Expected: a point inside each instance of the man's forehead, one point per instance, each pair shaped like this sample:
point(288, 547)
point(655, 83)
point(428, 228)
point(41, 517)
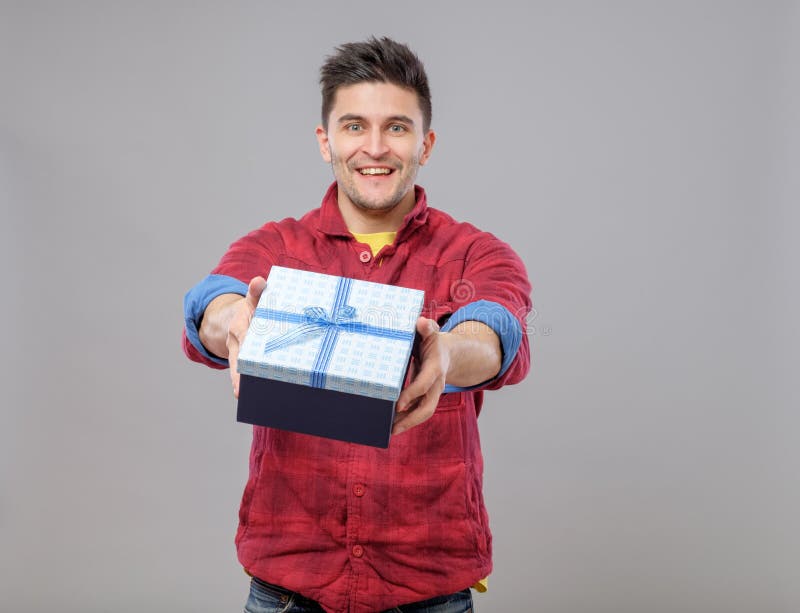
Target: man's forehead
point(372, 100)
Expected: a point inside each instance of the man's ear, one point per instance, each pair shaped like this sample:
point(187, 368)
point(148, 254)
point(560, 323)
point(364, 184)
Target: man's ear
point(427, 147)
point(324, 145)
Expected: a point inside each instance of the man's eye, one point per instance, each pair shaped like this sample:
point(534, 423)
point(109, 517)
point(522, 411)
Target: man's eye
point(353, 127)
point(397, 128)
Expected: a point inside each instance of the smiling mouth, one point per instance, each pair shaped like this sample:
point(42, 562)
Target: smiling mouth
point(373, 172)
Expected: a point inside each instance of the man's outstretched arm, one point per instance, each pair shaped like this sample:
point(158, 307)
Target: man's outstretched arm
point(467, 355)
point(225, 322)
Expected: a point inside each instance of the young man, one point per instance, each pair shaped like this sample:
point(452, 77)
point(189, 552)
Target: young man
point(327, 525)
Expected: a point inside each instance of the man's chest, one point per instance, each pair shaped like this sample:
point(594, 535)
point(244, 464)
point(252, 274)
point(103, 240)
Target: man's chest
point(413, 265)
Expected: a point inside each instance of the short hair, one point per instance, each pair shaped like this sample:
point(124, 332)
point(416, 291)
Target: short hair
point(381, 60)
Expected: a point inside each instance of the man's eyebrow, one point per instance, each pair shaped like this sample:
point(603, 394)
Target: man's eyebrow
point(353, 117)
point(402, 119)
point(349, 117)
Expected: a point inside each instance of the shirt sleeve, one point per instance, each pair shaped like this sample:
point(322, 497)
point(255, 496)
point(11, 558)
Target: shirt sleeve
point(497, 283)
point(250, 256)
point(194, 306)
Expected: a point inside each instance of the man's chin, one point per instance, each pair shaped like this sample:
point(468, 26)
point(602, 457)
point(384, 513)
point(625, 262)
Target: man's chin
point(376, 207)
point(385, 203)
point(383, 199)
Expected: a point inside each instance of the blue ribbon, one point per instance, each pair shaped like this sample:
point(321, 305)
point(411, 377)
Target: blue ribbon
point(317, 319)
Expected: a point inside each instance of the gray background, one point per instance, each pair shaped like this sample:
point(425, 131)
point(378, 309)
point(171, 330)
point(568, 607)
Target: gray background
point(641, 157)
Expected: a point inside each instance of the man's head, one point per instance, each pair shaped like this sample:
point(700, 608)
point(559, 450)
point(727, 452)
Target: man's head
point(377, 60)
point(375, 131)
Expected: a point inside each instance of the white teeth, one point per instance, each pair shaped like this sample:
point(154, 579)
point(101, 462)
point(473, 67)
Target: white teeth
point(375, 171)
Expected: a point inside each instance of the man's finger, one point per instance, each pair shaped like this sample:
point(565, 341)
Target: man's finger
point(233, 361)
point(400, 415)
point(418, 388)
point(424, 378)
point(238, 327)
point(254, 291)
point(426, 373)
point(423, 412)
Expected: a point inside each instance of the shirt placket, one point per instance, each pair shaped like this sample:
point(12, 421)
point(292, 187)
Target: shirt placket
point(364, 260)
point(357, 489)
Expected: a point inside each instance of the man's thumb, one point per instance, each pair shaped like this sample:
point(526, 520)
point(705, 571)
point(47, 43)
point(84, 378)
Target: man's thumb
point(426, 326)
point(254, 290)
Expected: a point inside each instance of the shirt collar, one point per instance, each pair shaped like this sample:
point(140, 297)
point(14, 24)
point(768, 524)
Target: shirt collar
point(332, 223)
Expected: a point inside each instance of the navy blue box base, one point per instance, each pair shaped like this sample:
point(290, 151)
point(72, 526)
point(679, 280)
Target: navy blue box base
point(310, 410)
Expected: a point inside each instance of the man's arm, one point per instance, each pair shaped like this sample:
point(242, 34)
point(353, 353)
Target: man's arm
point(467, 355)
point(484, 343)
point(217, 318)
point(225, 322)
point(248, 256)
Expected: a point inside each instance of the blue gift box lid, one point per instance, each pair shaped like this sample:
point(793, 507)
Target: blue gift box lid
point(332, 332)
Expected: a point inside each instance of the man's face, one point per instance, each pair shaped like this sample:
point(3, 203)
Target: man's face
point(375, 144)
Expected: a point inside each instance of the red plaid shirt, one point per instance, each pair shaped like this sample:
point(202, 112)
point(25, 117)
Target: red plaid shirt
point(358, 528)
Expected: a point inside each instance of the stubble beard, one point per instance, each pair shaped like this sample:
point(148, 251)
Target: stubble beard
point(347, 184)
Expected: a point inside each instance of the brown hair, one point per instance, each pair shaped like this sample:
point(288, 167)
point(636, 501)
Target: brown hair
point(374, 60)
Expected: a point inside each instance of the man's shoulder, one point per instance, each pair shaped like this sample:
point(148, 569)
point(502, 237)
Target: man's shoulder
point(448, 227)
point(288, 227)
point(450, 239)
point(439, 220)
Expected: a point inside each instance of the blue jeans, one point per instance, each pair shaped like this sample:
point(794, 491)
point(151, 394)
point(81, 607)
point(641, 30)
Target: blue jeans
point(268, 598)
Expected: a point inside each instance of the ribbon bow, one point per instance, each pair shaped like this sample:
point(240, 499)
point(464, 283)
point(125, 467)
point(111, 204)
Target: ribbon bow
point(314, 320)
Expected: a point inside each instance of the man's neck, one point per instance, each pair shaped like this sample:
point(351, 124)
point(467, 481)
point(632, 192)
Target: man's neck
point(366, 221)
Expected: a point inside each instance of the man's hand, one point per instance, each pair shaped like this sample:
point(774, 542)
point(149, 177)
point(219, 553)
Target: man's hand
point(418, 401)
point(239, 323)
point(467, 355)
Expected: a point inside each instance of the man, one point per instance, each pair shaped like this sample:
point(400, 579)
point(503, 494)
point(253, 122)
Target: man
point(334, 526)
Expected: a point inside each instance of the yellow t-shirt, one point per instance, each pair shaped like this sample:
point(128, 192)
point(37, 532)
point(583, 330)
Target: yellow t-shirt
point(376, 242)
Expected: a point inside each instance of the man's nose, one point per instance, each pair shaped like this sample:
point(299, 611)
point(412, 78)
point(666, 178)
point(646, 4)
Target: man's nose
point(376, 145)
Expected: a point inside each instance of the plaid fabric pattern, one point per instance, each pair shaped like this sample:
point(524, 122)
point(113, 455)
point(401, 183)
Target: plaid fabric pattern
point(357, 528)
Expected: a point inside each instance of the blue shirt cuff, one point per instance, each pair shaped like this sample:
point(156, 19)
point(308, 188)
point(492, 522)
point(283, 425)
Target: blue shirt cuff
point(196, 301)
point(499, 319)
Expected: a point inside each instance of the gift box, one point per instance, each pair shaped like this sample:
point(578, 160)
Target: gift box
point(327, 355)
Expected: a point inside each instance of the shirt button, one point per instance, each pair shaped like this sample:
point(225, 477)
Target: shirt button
point(358, 551)
point(358, 490)
point(365, 256)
